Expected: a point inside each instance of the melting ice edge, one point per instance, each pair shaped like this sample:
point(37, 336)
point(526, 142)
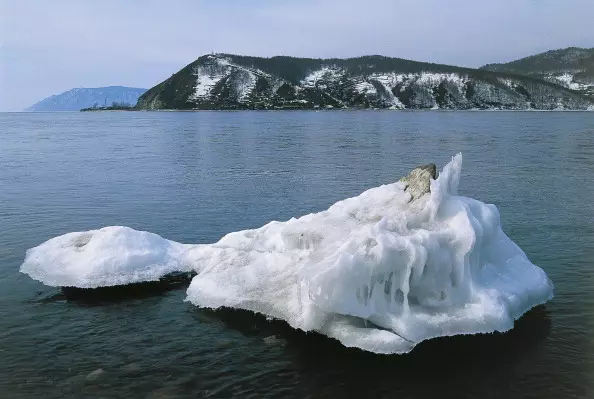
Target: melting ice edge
point(379, 271)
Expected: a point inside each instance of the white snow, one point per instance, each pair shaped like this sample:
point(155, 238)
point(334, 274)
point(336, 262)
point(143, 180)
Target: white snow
point(430, 79)
point(567, 80)
point(329, 73)
point(206, 80)
point(244, 85)
point(374, 271)
point(365, 88)
point(508, 82)
point(218, 68)
point(109, 256)
point(387, 79)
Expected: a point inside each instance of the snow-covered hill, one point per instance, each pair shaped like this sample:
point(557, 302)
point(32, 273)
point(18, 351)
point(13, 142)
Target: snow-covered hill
point(76, 99)
point(224, 81)
point(572, 67)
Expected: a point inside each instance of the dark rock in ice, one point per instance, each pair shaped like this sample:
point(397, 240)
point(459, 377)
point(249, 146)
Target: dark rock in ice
point(418, 181)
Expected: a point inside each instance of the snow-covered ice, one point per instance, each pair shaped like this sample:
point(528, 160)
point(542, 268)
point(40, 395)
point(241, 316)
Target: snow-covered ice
point(376, 271)
point(109, 256)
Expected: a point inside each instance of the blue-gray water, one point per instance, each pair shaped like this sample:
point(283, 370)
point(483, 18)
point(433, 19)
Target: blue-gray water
point(192, 177)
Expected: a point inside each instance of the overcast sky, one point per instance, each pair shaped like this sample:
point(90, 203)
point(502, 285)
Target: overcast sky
point(47, 47)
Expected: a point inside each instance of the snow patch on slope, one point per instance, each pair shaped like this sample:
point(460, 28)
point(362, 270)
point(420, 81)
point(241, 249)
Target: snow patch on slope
point(318, 77)
point(568, 80)
point(428, 79)
point(216, 68)
point(244, 84)
point(391, 98)
point(330, 77)
point(205, 82)
point(434, 79)
point(208, 75)
point(508, 82)
point(366, 88)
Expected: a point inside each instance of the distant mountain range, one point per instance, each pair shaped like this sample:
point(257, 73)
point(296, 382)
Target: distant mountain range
point(226, 81)
point(76, 99)
point(572, 67)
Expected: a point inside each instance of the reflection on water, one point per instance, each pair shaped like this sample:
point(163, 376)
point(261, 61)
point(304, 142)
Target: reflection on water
point(470, 351)
point(107, 295)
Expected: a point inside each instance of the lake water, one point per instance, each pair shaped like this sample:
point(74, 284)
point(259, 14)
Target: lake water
point(193, 177)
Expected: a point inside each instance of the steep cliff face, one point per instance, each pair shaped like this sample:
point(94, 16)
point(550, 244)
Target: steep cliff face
point(222, 81)
point(571, 67)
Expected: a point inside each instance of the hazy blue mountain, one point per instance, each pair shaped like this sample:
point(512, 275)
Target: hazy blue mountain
point(226, 81)
point(76, 99)
point(572, 67)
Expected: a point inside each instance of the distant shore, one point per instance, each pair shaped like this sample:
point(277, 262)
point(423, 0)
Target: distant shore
point(110, 108)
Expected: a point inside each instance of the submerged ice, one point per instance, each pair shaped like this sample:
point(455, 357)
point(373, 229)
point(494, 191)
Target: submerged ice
point(382, 271)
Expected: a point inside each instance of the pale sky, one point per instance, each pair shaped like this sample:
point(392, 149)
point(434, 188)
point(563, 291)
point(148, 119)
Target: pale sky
point(47, 47)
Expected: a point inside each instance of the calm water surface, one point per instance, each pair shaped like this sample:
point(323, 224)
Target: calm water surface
point(193, 177)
